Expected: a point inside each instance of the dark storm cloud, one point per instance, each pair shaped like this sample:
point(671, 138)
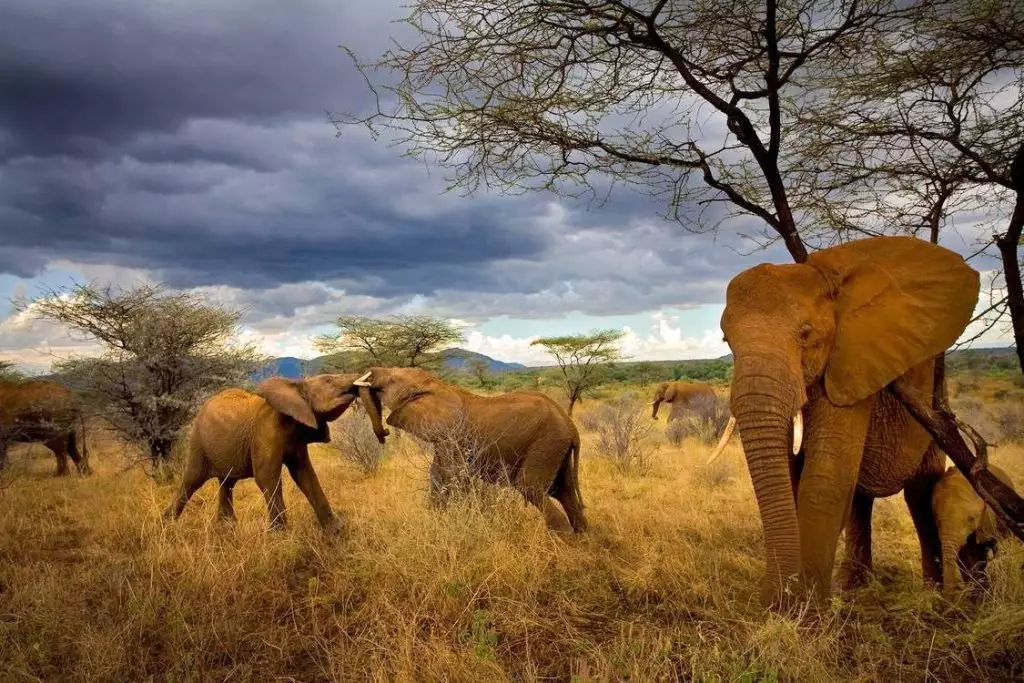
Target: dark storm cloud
point(189, 139)
point(79, 76)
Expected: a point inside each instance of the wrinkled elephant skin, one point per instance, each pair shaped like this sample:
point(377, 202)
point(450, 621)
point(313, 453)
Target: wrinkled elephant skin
point(826, 337)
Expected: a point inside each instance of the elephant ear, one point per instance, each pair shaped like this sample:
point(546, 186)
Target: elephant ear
point(286, 397)
point(670, 392)
point(899, 302)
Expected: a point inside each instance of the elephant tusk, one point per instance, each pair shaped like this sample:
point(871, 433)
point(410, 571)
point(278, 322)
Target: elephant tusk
point(798, 431)
point(730, 427)
point(362, 381)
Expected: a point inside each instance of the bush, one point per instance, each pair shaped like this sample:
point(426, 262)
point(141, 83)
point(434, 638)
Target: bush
point(703, 418)
point(352, 435)
point(623, 432)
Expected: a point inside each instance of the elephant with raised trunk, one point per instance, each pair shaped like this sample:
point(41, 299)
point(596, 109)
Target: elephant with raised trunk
point(238, 435)
point(680, 394)
point(521, 439)
point(816, 344)
point(968, 528)
point(47, 412)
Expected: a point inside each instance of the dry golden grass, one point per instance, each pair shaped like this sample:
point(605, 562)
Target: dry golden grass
point(93, 586)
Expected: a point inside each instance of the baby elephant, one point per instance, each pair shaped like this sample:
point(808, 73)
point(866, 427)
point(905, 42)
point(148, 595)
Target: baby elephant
point(968, 528)
point(238, 435)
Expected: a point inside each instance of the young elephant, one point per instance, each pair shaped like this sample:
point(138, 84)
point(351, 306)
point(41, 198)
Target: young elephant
point(968, 528)
point(521, 439)
point(43, 411)
point(238, 435)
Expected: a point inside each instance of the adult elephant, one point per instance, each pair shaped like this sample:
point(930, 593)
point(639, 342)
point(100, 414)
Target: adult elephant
point(47, 412)
point(821, 341)
point(238, 435)
point(522, 439)
point(680, 393)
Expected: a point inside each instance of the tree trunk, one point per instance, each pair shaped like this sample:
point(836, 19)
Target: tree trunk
point(1008, 244)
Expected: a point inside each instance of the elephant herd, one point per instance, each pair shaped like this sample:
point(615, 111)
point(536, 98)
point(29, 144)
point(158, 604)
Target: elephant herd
point(814, 346)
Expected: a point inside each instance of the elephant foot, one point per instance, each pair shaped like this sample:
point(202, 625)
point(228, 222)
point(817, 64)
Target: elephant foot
point(855, 575)
point(334, 528)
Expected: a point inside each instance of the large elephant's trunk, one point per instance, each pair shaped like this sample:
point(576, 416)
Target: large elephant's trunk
point(764, 406)
point(654, 411)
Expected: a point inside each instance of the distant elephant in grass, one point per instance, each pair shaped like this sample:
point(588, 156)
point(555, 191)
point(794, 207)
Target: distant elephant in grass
point(47, 412)
point(968, 528)
point(237, 435)
point(817, 343)
point(521, 439)
point(681, 393)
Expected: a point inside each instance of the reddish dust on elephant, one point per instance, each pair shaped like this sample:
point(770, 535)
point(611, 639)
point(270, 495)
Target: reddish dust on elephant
point(45, 412)
point(521, 439)
point(821, 341)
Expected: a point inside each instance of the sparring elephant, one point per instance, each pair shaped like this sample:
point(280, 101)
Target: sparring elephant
point(521, 439)
point(47, 412)
point(968, 528)
point(238, 435)
point(680, 394)
point(815, 345)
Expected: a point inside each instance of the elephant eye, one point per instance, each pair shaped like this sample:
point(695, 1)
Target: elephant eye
point(805, 331)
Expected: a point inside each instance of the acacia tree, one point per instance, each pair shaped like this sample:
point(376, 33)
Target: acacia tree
point(580, 359)
point(163, 354)
point(399, 340)
point(481, 370)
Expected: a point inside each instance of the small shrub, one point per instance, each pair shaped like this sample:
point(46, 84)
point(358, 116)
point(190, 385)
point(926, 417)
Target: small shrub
point(703, 418)
point(352, 435)
point(676, 431)
point(623, 433)
point(1010, 418)
point(589, 420)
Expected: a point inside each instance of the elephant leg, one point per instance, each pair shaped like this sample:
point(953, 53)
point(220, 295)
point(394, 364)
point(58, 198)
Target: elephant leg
point(192, 481)
point(301, 470)
point(918, 495)
point(573, 511)
point(59, 448)
point(440, 483)
point(270, 484)
point(857, 565)
point(834, 446)
point(226, 500)
point(534, 480)
point(81, 462)
point(3, 451)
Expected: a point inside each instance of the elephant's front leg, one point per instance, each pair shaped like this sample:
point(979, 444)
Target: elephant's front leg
point(918, 495)
point(833, 447)
point(301, 469)
point(857, 565)
point(440, 481)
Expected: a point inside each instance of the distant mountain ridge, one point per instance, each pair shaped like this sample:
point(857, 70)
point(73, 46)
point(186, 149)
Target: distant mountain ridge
point(454, 359)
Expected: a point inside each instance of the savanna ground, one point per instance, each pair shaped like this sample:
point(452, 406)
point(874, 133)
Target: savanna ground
point(94, 586)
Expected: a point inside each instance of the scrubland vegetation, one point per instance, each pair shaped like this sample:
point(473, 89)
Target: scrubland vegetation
point(94, 586)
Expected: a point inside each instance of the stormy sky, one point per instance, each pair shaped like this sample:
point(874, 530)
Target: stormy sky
point(187, 142)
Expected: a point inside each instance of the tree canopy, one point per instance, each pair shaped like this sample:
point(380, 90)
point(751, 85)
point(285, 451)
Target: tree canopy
point(399, 340)
point(581, 358)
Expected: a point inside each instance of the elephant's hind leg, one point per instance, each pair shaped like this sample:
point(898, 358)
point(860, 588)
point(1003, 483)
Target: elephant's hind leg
point(226, 500)
point(534, 485)
point(196, 474)
point(857, 565)
point(270, 484)
point(59, 447)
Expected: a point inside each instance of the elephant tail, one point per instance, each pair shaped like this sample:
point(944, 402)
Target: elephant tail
point(567, 485)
